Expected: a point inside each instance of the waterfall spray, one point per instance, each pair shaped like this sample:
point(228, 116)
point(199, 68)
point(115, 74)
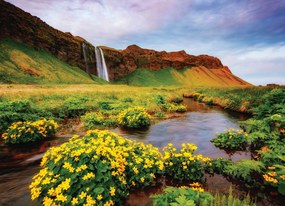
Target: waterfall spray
point(101, 64)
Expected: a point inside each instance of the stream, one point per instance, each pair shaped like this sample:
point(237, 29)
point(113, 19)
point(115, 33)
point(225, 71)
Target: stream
point(18, 165)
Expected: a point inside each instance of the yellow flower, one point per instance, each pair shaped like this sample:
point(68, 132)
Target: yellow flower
point(88, 176)
point(47, 201)
point(36, 191)
point(152, 175)
point(51, 192)
point(273, 174)
point(135, 170)
point(142, 179)
point(74, 201)
point(270, 179)
point(82, 195)
point(46, 181)
point(61, 197)
point(112, 191)
point(99, 197)
point(65, 185)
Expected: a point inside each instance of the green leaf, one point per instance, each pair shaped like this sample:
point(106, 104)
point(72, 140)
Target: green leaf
point(99, 190)
point(281, 189)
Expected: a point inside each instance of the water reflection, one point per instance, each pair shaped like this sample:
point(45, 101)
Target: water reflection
point(198, 126)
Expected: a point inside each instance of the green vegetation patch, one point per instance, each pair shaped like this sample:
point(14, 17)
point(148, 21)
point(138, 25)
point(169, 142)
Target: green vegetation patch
point(20, 63)
point(146, 77)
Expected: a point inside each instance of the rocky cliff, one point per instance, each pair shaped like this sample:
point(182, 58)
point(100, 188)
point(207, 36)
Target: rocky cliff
point(21, 26)
point(124, 62)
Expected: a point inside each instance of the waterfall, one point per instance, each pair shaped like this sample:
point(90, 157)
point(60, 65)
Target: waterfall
point(101, 64)
point(85, 55)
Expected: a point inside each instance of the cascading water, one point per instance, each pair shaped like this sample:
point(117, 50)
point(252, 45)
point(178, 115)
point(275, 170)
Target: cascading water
point(101, 64)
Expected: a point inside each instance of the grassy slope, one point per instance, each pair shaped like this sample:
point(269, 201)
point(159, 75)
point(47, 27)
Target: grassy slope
point(196, 76)
point(20, 63)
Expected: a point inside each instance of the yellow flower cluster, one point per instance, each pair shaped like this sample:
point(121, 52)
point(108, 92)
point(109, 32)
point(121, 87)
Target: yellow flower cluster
point(22, 132)
point(196, 186)
point(183, 164)
point(269, 179)
point(134, 117)
point(233, 132)
point(98, 156)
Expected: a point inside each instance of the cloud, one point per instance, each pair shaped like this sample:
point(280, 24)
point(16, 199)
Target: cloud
point(104, 20)
point(258, 65)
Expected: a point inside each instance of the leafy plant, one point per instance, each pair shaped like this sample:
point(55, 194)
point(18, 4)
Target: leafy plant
point(94, 120)
point(105, 105)
point(173, 108)
point(99, 168)
point(75, 106)
point(134, 117)
point(24, 132)
point(181, 196)
point(159, 99)
point(128, 99)
point(231, 139)
point(192, 196)
point(183, 165)
point(15, 111)
point(159, 114)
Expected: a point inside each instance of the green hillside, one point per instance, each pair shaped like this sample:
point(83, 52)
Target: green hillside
point(20, 63)
point(195, 76)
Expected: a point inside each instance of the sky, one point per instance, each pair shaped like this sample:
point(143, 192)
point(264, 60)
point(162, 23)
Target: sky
point(247, 35)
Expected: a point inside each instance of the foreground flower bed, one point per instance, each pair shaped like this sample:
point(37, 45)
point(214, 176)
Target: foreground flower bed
point(97, 169)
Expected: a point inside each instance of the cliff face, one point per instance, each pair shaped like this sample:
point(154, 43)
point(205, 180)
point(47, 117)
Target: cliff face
point(23, 27)
point(124, 62)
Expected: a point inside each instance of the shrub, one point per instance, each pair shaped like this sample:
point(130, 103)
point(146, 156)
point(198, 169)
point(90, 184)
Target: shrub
point(24, 132)
point(105, 105)
point(99, 168)
point(232, 139)
point(274, 159)
point(195, 195)
point(11, 112)
point(182, 196)
point(134, 117)
point(159, 99)
point(176, 100)
point(74, 107)
point(127, 99)
point(183, 165)
point(94, 120)
point(173, 108)
point(159, 114)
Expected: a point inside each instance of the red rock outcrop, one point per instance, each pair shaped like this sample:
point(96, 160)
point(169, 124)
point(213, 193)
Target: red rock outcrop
point(123, 62)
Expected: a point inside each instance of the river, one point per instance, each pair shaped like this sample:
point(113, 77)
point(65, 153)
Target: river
point(199, 125)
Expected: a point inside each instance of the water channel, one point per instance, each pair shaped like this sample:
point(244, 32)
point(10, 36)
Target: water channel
point(18, 165)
